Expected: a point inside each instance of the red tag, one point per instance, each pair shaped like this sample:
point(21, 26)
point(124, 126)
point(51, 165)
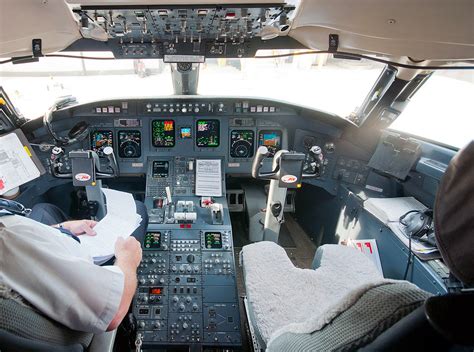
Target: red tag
point(369, 246)
point(2, 184)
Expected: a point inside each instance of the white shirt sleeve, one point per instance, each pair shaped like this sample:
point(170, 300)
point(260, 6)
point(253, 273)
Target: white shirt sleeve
point(52, 272)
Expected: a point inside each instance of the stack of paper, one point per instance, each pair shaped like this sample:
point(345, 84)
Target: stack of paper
point(121, 220)
point(17, 167)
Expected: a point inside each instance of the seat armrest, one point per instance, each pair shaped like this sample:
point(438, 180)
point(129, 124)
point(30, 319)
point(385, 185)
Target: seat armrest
point(103, 342)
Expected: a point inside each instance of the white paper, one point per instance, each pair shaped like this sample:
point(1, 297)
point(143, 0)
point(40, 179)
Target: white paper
point(209, 178)
point(370, 249)
point(121, 220)
point(16, 166)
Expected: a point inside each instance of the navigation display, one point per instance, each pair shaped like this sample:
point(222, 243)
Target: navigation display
point(213, 239)
point(160, 169)
point(101, 139)
point(241, 143)
point(163, 133)
point(153, 240)
point(207, 133)
point(271, 140)
point(130, 144)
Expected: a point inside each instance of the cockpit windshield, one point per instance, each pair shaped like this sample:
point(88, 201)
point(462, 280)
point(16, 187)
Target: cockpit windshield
point(316, 81)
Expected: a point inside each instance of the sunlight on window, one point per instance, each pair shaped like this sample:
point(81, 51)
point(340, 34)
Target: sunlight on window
point(442, 109)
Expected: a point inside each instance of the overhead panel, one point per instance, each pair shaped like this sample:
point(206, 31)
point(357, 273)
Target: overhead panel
point(192, 31)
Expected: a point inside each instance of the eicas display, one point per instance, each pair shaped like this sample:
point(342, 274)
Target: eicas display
point(163, 133)
point(207, 133)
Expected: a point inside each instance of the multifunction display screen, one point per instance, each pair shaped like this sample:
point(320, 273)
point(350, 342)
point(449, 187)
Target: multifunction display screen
point(213, 240)
point(130, 144)
point(271, 140)
point(101, 139)
point(152, 240)
point(163, 133)
point(160, 169)
point(207, 133)
point(241, 143)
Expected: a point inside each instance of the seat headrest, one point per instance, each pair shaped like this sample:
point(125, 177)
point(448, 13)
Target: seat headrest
point(454, 215)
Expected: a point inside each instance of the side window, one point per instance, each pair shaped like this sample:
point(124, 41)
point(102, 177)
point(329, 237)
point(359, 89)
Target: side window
point(442, 109)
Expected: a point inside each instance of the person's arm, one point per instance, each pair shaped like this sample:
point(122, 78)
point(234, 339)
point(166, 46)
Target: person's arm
point(79, 227)
point(129, 254)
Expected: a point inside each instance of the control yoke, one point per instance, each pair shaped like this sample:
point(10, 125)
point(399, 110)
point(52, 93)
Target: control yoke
point(288, 170)
point(86, 167)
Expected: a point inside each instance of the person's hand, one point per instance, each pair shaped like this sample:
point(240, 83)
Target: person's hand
point(80, 227)
point(128, 251)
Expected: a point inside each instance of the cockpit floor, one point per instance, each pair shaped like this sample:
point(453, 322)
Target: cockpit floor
point(297, 244)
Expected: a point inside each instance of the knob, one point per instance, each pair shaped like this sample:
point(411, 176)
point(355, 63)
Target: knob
point(190, 258)
point(162, 281)
point(188, 299)
point(173, 268)
point(157, 325)
point(175, 299)
point(141, 324)
point(182, 307)
point(185, 326)
point(142, 281)
point(195, 307)
point(152, 281)
point(153, 260)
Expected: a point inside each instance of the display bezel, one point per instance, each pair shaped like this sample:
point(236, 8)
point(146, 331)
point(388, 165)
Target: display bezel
point(218, 130)
point(119, 141)
point(152, 134)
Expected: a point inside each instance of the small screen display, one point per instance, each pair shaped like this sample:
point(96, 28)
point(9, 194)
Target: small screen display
point(101, 139)
point(160, 169)
point(213, 239)
point(271, 140)
point(163, 134)
point(156, 290)
point(153, 240)
point(185, 132)
point(207, 133)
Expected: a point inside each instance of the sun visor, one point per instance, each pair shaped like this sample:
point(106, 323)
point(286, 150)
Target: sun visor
point(52, 21)
point(434, 30)
point(454, 215)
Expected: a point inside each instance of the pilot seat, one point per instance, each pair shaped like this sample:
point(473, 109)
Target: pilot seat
point(344, 303)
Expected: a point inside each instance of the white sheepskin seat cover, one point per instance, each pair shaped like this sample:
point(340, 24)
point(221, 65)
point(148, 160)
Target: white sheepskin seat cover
point(288, 299)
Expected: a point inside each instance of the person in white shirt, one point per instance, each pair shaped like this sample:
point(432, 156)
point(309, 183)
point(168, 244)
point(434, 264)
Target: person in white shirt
point(54, 274)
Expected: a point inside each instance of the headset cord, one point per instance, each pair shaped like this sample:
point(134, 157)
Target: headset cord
point(410, 252)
